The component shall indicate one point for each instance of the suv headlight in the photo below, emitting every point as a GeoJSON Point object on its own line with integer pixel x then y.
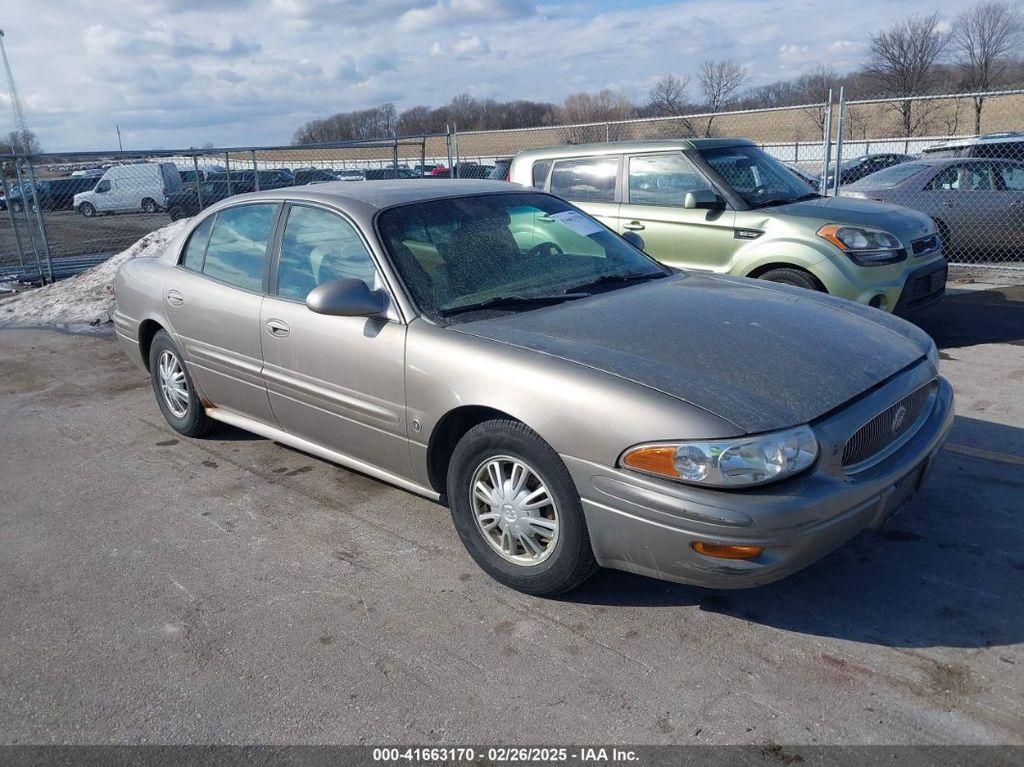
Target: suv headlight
{"type": "Point", "coordinates": [864, 246]}
{"type": "Point", "coordinates": [739, 462]}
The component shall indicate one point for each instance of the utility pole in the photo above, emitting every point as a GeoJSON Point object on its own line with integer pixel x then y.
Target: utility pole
{"type": "Point", "coordinates": [120, 146]}
{"type": "Point", "coordinates": [19, 114]}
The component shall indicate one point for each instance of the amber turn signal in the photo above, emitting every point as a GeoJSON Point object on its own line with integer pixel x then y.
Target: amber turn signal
{"type": "Point", "coordinates": [658, 459]}
{"type": "Point", "coordinates": [721, 551]}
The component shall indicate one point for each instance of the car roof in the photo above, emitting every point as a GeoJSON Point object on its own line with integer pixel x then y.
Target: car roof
{"type": "Point", "coordinates": [384, 194]}
{"type": "Point", "coordinates": [620, 147]}
{"type": "Point", "coordinates": [985, 138]}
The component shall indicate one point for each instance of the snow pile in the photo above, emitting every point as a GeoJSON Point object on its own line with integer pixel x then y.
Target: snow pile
{"type": "Point", "coordinates": [87, 297]}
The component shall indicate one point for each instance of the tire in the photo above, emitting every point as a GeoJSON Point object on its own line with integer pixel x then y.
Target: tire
{"type": "Point", "coordinates": [789, 276]}
{"type": "Point", "coordinates": [87, 210]}
{"type": "Point", "coordinates": [543, 569]}
{"type": "Point", "coordinates": [184, 413]}
{"type": "Point", "coordinates": [149, 206]}
{"type": "Point", "coordinates": [17, 206]}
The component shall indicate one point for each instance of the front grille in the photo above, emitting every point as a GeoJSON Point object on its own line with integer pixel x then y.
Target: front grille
{"type": "Point", "coordinates": [886, 429]}
{"type": "Point", "coordinates": [926, 245]}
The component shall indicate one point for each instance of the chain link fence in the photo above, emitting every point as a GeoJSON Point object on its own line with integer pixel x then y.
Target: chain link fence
{"type": "Point", "coordinates": [67, 209]}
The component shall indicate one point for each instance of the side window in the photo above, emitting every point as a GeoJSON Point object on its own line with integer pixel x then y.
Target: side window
{"type": "Point", "coordinates": [195, 250]}
{"type": "Point", "coordinates": [591, 179]}
{"type": "Point", "coordinates": [979, 177]}
{"type": "Point", "coordinates": [946, 180]}
{"type": "Point", "coordinates": [540, 173]}
{"type": "Point", "coordinates": [237, 253]}
{"type": "Point", "coordinates": [1012, 175]}
{"type": "Point", "coordinates": [663, 179]}
{"type": "Point", "coordinates": [320, 246]}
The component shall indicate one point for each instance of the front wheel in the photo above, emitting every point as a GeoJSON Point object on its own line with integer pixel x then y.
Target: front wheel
{"type": "Point", "coordinates": [17, 206]}
{"type": "Point", "coordinates": [175, 392]}
{"type": "Point", "coordinates": [517, 511]}
{"type": "Point", "coordinates": [87, 210]}
{"type": "Point", "coordinates": [790, 276]}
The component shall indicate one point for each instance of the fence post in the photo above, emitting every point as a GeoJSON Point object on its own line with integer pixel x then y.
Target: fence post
{"type": "Point", "coordinates": [39, 218]}
{"type": "Point", "coordinates": [255, 170]}
{"type": "Point", "coordinates": [423, 155]}
{"type": "Point", "coordinates": [394, 157]}
{"type": "Point", "coordinates": [10, 213]}
{"type": "Point", "coordinates": [455, 144]}
{"type": "Point", "coordinates": [227, 173]}
{"type": "Point", "coordinates": [607, 132]}
{"type": "Point", "coordinates": [28, 221]}
{"type": "Point", "coordinates": [826, 142]}
{"type": "Point", "coordinates": [796, 152]}
{"type": "Point", "coordinates": [199, 187]}
{"type": "Point", "coordinates": [839, 140]}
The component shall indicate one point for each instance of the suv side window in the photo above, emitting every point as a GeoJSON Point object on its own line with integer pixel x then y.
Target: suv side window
{"type": "Point", "coordinates": [588, 179]}
{"type": "Point", "coordinates": [237, 253]}
{"type": "Point", "coordinates": [320, 246]}
{"type": "Point", "coordinates": [540, 173]}
{"type": "Point", "coordinates": [663, 179]}
{"type": "Point", "coordinates": [195, 250]}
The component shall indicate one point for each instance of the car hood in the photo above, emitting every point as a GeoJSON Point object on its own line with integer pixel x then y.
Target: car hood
{"type": "Point", "coordinates": [907, 225]}
{"type": "Point", "coordinates": [759, 355]}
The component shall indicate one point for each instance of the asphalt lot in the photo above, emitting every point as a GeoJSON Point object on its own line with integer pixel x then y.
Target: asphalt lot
{"type": "Point", "coordinates": [159, 589]}
{"type": "Point", "coordinates": [72, 234]}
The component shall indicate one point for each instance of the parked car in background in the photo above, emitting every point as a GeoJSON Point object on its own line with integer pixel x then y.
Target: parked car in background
{"type": "Point", "coordinates": [501, 169]}
{"type": "Point", "coordinates": [1009, 146]}
{"type": "Point", "coordinates": [424, 170]}
{"type": "Point", "coordinates": [978, 205]}
{"type": "Point", "coordinates": [350, 175]}
{"type": "Point", "coordinates": [858, 167]}
{"type": "Point", "coordinates": [89, 172]}
{"type": "Point", "coordinates": [385, 174]}
{"type": "Point", "coordinates": [122, 188]}
{"type": "Point", "coordinates": [52, 193]}
{"type": "Point", "coordinates": [242, 181]}
{"type": "Point", "coordinates": [806, 176]}
{"type": "Point", "coordinates": [573, 402]}
{"type": "Point", "coordinates": [191, 175]}
{"type": "Point", "coordinates": [726, 206]}
{"type": "Point", "coordinates": [305, 176]}
{"type": "Point", "coordinates": [193, 198]}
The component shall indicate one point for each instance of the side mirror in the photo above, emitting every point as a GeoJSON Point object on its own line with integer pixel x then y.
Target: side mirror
{"type": "Point", "coordinates": [347, 298]}
{"type": "Point", "coordinates": [702, 198]}
{"type": "Point", "coordinates": [635, 240]}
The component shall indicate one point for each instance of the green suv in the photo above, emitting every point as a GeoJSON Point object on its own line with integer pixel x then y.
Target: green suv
{"type": "Point", "coordinates": [726, 206]}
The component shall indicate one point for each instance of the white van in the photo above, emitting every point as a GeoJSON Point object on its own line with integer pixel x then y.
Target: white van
{"type": "Point", "coordinates": [141, 187]}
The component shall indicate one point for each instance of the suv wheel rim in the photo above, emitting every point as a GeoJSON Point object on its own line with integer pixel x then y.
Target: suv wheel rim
{"type": "Point", "coordinates": [171, 377]}
{"type": "Point", "coordinates": [514, 510]}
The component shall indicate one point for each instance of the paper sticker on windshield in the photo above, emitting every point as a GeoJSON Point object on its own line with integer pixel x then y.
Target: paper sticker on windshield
{"type": "Point", "coordinates": [577, 222]}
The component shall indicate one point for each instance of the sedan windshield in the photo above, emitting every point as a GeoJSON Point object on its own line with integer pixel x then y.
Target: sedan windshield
{"type": "Point", "coordinates": [890, 177]}
{"type": "Point", "coordinates": [505, 253]}
{"type": "Point", "coordinates": [756, 176]}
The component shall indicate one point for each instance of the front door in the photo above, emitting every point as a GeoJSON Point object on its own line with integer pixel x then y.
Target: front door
{"type": "Point", "coordinates": [213, 301]}
{"type": "Point", "coordinates": [336, 381]}
{"type": "Point", "coordinates": [696, 238]}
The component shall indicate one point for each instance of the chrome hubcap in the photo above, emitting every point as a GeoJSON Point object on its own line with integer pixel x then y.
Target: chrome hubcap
{"type": "Point", "coordinates": [514, 510]}
{"type": "Point", "coordinates": [172, 384]}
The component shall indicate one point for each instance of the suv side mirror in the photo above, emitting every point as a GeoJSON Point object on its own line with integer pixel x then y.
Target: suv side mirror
{"type": "Point", "coordinates": [702, 198]}
{"type": "Point", "coordinates": [347, 298]}
{"type": "Point", "coordinates": [634, 239]}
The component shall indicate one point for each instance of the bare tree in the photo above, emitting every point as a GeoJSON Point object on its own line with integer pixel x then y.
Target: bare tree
{"type": "Point", "coordinates": [606, 106]}
{"type": "Point", "coordinates": [668, 96]}
{"type": "Point", "coordinates": [20, 142]}
{"type": "Point", "coordinates": [985, 41]}
{"type": "Point", "coordinates": [903, 59]}
{"type": "Point", "coordinates": [720, 81]}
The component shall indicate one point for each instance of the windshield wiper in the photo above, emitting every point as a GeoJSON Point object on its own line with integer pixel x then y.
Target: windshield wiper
{"type": "Point", "coordinates": [609, 279]}
{"type": "Point", "coordinates": [510, 302]}
{"type": "Point", "coordinates": [788, 200]}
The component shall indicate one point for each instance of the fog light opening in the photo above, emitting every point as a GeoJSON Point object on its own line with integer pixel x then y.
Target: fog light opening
{"type": "Point", "coordinates": [722, 551]}
{"type": "Point", "coordinates": [877, 301]}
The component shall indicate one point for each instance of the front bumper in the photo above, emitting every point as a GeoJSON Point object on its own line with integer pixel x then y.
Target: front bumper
{"type": "Point", "coordinates": [924, 286]}
{"type": "Point", "coordinates": [645, 525]}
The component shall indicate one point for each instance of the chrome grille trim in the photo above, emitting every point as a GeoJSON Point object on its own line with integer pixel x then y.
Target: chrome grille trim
{"type": "Point", "coordinates": [880, 437]}
{"type": "Point", "coordinates": [926, 245]}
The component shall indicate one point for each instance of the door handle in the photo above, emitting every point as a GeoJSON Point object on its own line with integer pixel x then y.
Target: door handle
{"type": "Point", "coordinates": [1017, 204]}
{"type": "Point", "coordinates": [277, 328]}
{"type": "Point", "coordinates": [175, 297]}
{"type": "Point", "coordinates": [633, 226]}
{"type": "Point", "coordinates": [949, 204]}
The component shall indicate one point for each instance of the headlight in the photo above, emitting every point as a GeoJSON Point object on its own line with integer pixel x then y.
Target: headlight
{"type": "Point", "coordinates": [739, 462]}
{"type": "Point", "coordinates": [864, 246]}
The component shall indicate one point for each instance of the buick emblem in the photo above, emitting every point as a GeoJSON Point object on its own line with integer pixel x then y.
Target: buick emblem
{"type": "Point", "coordinates": [899, 418]}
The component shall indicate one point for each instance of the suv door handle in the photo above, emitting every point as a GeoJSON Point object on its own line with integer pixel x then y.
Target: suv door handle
{"type": "Point", "coordinates": [175, 297]}
{"type": "Point", "coordinates": [277, 328]}
{"type": "Point", "coordinates": [633, 226]}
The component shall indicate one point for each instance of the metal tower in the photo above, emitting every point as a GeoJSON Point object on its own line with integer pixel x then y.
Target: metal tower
{"type": "Point", "coordinates": [19, 114]}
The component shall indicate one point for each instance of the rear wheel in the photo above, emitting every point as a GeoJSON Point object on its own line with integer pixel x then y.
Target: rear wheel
{"type": "Point", "coordinates": [87, 210]}
{"type": "Point", "coordinates": [175, 392]}
{"type": "Point", "coordinates": [149, 206]}
{"type": "Point", "coordinates": [792, 276]}
{"type": "Point", "coordinates": [517, 511]}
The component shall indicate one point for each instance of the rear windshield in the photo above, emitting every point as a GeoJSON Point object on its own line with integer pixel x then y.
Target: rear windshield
{"type": "Point", "coordinates": [890, 177]}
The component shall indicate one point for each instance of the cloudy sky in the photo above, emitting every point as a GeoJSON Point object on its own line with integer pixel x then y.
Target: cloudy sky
{"type": "Point", "coordinates": [179, 73]}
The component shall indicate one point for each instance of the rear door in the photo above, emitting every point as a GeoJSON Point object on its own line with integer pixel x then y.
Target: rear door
{"type": "Point", "coordinates": [336, 381]}
{"type": "Point", "coordinates": [592, 183]}
{"type": "Point", "coordinates": [1009, 219]}
{"type": "Point", "coordinates": [656, 185]}
{"type": "Point", "coordinates": [213, 300]}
